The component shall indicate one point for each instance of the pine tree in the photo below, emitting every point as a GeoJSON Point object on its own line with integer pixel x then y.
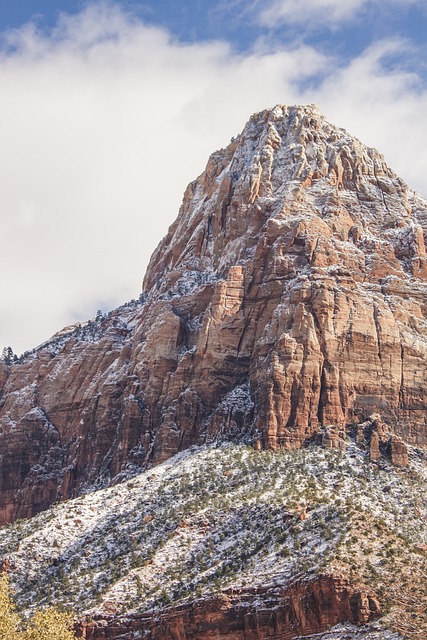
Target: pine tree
{"type": "Point", "coordinates": [7, 356]}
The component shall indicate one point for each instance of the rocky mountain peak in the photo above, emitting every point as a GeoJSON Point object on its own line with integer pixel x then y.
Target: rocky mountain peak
{"type": "Point", "coordinates": [291, 167]}
{"type": "Point", "coordinates": [287, 302]}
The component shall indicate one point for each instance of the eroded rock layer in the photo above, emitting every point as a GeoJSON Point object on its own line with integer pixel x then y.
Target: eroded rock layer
{"type": "Point", "coordinates": [290, 294]}
{"type": "Point", "coordinates": [304, 608]}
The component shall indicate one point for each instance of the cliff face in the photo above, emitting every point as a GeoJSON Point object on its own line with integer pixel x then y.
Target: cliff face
{"type": "Point", "coordinates": [299, 610]}
{"type": "Point", "coordinates": [320, 301]}
{"type": "Point", "coordinates": [290, 293]}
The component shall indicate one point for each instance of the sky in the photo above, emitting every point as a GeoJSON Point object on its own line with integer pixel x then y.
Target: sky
{"type": "Point", "coordinates": [109, 109]}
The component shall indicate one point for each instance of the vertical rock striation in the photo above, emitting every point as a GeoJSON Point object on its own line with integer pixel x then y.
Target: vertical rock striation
{"type": "Point", "coordinates": [280, 614]}
{"type": "Point", "coordinates": [289, 294]}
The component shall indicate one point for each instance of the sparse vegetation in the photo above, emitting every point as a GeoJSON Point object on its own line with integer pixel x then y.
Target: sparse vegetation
{"type": "Point", "coordinates": [228, 517]}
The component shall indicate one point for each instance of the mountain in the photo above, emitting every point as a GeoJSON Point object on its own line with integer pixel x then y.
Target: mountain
{"type": "Point", "coordinates": [289, 295]}
{"type": "Point", "coordinates": [245, 444]}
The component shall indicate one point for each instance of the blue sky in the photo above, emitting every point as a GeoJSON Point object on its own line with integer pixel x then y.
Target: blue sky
{"type": "Point", "coordinates": [105, 103]}
{"type": "Point", "coordinates": [238, 21]}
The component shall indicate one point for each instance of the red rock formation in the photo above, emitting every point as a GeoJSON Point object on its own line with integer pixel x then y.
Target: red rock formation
{"type": "Point", "coordinates": [306, 607]}
{"type": "Point", "coordinates": [381, 442]}
{"type": "Point", "coordinates": [290, 293]}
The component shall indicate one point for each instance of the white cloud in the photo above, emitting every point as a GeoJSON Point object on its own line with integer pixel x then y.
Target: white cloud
{"type": "Point", "coordinates": [105, 121]}
{"type": "Point", "coordinates": [309, 11]}
{"type": "Point", "coordinates": [320, 12]}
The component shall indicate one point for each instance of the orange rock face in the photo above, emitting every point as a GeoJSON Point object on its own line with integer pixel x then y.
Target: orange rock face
{"type": "Point", "coordinates": [381, 442]}
{"type": "Point", "coordinates": [302, 609]}
{"type": "Point", "coordinates": [289, 294]}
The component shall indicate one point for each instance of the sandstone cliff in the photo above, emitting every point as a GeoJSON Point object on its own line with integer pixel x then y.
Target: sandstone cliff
{"type": "Point", "coordinates": [306, 607]}
{"type": "Point", "coordinates": [289, 294]}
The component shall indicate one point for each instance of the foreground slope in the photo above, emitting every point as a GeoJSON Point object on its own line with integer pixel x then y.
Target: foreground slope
{"type": "Point", "coordinates": [222, 541]}
{"type": "Point", "coordinates": [289, 294]}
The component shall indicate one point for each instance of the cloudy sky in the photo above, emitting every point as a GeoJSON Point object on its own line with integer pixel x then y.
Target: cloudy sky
{"type": "Point", "coordinates": [109, 109]}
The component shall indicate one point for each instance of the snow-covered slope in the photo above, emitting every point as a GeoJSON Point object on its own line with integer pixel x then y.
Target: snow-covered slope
{"type": "Point", "coordinates": [224, 519]}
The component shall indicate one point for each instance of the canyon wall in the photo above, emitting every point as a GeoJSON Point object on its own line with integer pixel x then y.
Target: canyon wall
{"type": "Point", "coordinates": [307, 607]}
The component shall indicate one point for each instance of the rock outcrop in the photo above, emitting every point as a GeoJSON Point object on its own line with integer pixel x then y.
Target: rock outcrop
{"type": "Point", "coordinates": [289, 294]}
{"type": "Point", "coordinates": [381, 442]}
{"type": "Point", "coordinates": [299, 610]}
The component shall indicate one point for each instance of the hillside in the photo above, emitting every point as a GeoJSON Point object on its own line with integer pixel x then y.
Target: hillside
{"type": "Point", "coordinates": [225, 521]}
